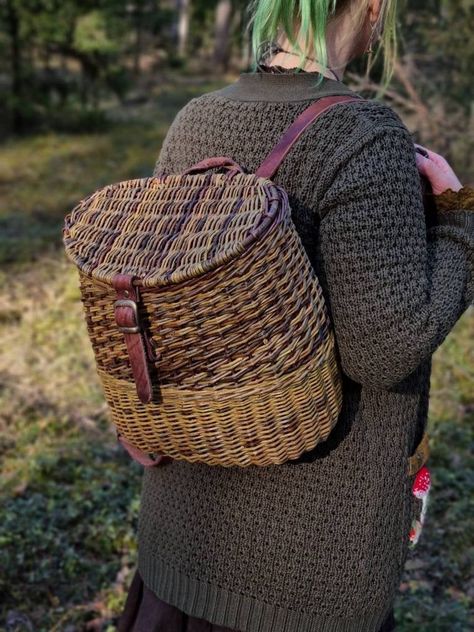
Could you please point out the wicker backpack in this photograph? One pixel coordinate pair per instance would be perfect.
(210, 332)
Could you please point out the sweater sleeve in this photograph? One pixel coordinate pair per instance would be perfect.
(396, 288)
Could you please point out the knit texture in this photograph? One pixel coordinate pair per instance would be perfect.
(318, 545)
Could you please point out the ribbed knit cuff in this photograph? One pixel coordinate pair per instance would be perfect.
(462, 219)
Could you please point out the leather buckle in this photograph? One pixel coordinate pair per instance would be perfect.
(128, 329)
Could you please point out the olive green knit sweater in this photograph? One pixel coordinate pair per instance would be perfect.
(320, 545)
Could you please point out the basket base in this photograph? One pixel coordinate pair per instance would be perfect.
(259, 423)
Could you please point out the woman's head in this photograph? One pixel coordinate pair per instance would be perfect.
(331, 31)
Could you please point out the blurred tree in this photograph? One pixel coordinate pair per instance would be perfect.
(11, 20)
(183, 11)
(224, 11)
(93, 45)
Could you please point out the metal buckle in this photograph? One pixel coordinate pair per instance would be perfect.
(124, 302)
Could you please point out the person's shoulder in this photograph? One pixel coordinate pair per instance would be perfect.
(370, 117)
(376, 111)
(196, 109)
(352, 127)
(366, 141)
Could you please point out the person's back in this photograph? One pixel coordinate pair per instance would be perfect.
(318, 544)
(246, 119)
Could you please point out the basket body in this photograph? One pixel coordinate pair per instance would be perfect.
(244, 370)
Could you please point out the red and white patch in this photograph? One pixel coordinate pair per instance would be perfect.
(421, 489)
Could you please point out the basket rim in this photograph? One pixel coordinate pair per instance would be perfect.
(273, 213)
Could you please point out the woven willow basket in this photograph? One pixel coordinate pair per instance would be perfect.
(240, 353)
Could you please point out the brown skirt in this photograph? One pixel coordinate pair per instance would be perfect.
(145, 612)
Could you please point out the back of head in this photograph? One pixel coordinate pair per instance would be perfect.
(332, 31)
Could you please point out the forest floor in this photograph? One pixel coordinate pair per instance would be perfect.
(68, 495)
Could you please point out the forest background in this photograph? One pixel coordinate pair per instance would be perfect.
(87, 92)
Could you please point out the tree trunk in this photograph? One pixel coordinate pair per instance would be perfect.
(183, 8)
(245, 44)
(13, 26)
(138, 45)
(222, 33)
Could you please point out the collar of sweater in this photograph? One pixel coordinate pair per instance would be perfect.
(282, 86)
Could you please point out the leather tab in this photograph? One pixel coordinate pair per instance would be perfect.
(420, 456)
(140, 457)
(212, 163)
(273, 161)
(126, 317)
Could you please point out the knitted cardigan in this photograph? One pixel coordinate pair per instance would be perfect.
(319, 545)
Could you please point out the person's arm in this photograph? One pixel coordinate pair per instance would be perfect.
(395, 288)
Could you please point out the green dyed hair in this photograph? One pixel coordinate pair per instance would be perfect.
(307, 21)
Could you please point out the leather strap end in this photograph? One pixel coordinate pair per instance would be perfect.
(126, 317)
(140, 457)
(420, 456)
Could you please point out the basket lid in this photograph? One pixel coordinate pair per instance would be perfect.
(167, 229)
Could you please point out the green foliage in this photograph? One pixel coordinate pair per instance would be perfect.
(64, 532)
(91, 35)
(62, 51)
(436, 593)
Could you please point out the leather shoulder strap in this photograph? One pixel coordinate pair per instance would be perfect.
(273, 161)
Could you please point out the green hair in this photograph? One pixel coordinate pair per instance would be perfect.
(307, 21)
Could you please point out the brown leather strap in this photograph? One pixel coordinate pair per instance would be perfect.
(140, 457)
(273, 161)
(212, 163)
(126, 317)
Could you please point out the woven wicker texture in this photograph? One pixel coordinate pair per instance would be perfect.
(166, 230)
(246, 371)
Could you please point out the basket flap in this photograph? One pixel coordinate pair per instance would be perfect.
(168, 229)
